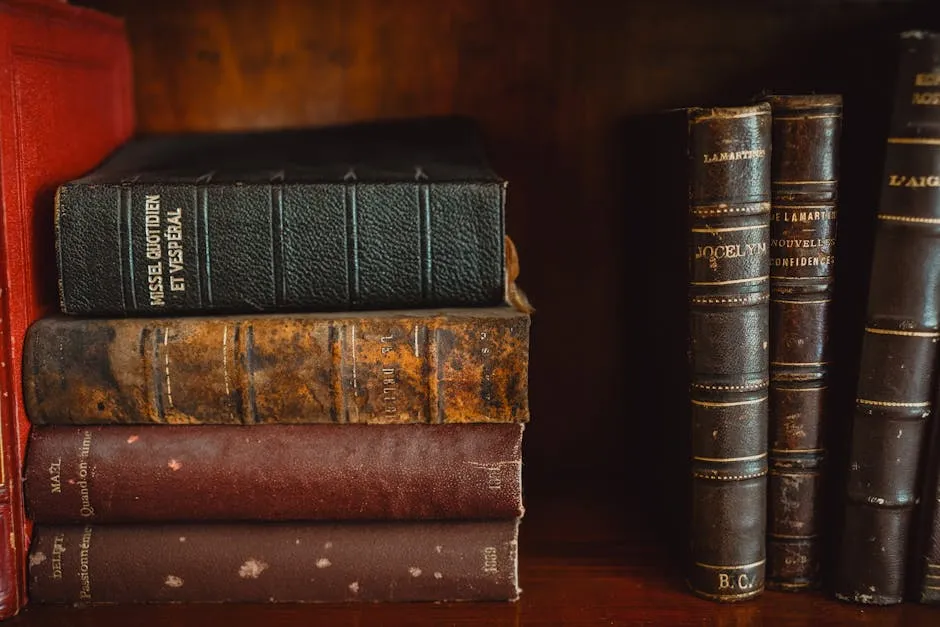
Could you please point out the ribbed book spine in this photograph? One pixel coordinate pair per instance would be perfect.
(222, 246)
(899, 348)
(804, 184)
(927, 525)
(728, 298)
(421, 366)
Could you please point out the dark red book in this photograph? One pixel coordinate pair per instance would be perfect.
(65, 103)
(276, 562)
(192, 473)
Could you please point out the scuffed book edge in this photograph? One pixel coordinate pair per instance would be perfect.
(867, 599)
(56, 209)
(514, 295)
(514, 548)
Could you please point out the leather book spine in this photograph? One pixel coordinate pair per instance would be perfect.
(428, 366)
(275, 562)
(728, 300)
(239, 473)
(930, 574)
(896, 373)
(804, 191)
(65, 102)
(926, 536)
(282, 246)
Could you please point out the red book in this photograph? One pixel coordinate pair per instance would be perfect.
(65, 103)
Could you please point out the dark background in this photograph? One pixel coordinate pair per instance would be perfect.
(554, 84)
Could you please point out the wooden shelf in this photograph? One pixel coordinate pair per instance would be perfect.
(552, 83)
(585, 559)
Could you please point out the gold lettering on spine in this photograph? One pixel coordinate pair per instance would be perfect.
(926, 98)
(730, 251)
(174, 247)
(735, 155)
(713, 253)
(802, 262)
(55, 476)
(494, 481)
(817, 215)
(817, 250)
(736, 582)
(490, 560)
(86, 510)
(84, 569)
(904, 180)
(58, 548)
(154, 247)
(931, 79)
(493, 472)
(742, 582)
(802, 243)
(389, 380)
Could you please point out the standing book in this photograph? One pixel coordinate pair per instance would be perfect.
(65, 103)
(729, 209)
(926, 540)
(899, 348)
(804, 186)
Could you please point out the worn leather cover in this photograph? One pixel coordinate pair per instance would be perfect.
(924, 570)
(425, 366)
(899, 348)
(271, 563)
(273, 472)
(804, 186)
(65, 102)
(384, 215)
(930, 574)
(729, 152)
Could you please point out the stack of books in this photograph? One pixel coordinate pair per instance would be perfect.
(290, 366)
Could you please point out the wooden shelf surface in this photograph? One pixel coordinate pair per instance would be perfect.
(584, 561)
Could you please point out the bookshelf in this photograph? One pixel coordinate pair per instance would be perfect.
(585, 560)
(555, 85)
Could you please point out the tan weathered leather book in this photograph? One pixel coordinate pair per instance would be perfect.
(421, 366)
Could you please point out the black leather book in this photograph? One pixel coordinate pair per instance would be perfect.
(381, 215)
(728, 294)
(897, 366)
